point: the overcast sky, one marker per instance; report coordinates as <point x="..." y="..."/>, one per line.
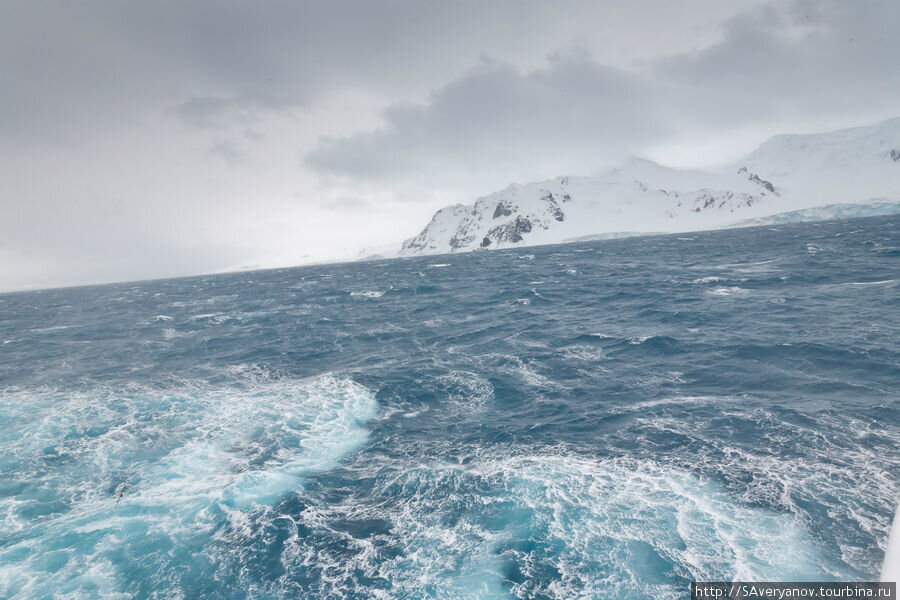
<point x="152" y="139"/>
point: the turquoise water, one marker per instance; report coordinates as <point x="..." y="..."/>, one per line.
<point x="600" y="420"/>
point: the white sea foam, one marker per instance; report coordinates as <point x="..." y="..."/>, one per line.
<point x="727" y="291"/>
<point x="170" y="333"/>
<point x="146" y="465"/>
<point x="49" y="329"/>
<point x="883" y="282"/>
<point x="527" y="370"/>
<point x="604" y="528"/>
<point x="466" y="389"/>
<point x="676" y="401"/>
<point x="583" y="352"/>
<point x="830" y="461"/>
<point x="368" y="293"/>
<point x="214" y="318"/>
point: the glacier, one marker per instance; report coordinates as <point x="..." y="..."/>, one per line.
<point x="875" y="208"/>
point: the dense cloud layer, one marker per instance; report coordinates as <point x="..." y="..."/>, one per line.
<point x="162" y="138"/>
<point x="804" y="60"/>
<point x="572" y="114"/>
<point x="804" y="63"/>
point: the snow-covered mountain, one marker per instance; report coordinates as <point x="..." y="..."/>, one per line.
<point x="787" y="174"/>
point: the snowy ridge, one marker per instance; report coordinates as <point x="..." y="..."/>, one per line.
<point x="788" y="175"/>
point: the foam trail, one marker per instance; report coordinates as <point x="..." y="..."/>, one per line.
<point x="165" y="482"/>
<point x="563" y="526"/>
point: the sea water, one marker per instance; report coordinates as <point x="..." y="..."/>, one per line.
<point x="599" y="420"/>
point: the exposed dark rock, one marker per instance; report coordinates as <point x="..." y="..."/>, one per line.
<point x="420" y="242"/>
<point x="554" y="209"/>
<point x="504" y="209"/>
<point x="466" y="233"/>
<point x="509" y="233"/>
<point x="894" y="155"/>
<point x="460" y="240"/>
<point x="766" y="184"/>
<point x="758" y="180"/>
<point x="720" y="200"/>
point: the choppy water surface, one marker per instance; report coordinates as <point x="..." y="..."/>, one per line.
<point x="599" y="420"/>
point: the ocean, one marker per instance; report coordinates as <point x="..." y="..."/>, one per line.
<point x="611" y="419"/>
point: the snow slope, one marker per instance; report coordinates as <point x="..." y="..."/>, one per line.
<point x="787" y="174"/>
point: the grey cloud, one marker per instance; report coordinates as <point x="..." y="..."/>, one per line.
<point x="804" y="59"/>
<point x="68" y="66"/>
<point x="203" y="111"/>
<point x="216" y="111"/>
<point x="230" y="152"/>
<point x="571" y="112"/>
<point x="254" y="135"/>
<point x="347" y="203"/>
<point x="71" y="68"/>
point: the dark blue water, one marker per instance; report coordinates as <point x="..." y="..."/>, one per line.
<point x="600" y="420"/>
